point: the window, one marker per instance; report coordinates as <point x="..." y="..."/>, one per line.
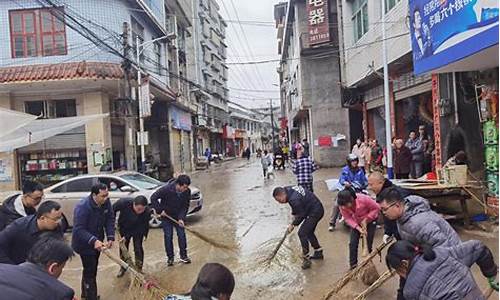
<point x="37" y="32"/>
<point x="51" y="109"/>
<point x="65" y="108"/>
<point x="78" y="185"/>
<point x="157" y="56"/>
<point x="360" y="18"/>
<point x="118" y="184"/>
<point x="389" y="4"/>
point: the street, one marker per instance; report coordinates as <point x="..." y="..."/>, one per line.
<point x="239" y="210"/>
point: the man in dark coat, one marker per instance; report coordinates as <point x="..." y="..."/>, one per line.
<point x="92" y="216"/>
<point x="173" y="200"/>
<point x="21" y="205"/>
<point x="37" y="277"/>
<point x="133" y="223"/>
<point x="18" y="238"/>
<point x="402" y="160"/>
<point x="308" y="210"/>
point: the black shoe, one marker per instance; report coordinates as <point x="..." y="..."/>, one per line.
<point x="121" y="273"/>
<point x="185" y="260"/>
<point x="318" y="254"/>
<point x="306" y="263"/>
<point x="170" y="262"/>
<point x="352" y="267"/>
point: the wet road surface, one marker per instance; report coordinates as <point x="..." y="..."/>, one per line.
<point x="239" y="211"/>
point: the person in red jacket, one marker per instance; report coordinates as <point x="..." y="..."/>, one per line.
<point x="360" y="212"/>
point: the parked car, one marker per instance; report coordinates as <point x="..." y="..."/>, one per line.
<point x="124" y="184"/>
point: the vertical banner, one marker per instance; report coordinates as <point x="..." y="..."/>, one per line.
<point x="437" y="120"/>
<point x="145" y="98"/>
<point x="318" y="24"/>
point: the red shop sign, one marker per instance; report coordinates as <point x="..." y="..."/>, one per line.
<point x="318" y="24"/>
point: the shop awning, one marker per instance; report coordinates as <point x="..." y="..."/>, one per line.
<point x="10" y="120"/>
<point x="38" y="130"/>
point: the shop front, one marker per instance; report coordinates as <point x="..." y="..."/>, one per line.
<point x="180" y="137"/>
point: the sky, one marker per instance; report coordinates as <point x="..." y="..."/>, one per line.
<point x="252" y="39"/>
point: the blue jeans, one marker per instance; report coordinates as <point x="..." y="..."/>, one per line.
<point x="168" y="233"/>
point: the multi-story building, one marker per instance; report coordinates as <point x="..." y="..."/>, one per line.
<point x="207" y="49"/>
<point x="310" y="78"/>
<point x="78" y="58"/>
<point x="251" y="129"/>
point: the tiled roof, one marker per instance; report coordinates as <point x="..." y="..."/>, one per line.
<point x="61" y="71"/>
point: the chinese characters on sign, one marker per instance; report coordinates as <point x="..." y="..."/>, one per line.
<point x="318" y="24"/>
<point x="145" y="107"/>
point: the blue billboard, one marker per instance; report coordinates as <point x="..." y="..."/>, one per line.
<point x="445" y="31"/>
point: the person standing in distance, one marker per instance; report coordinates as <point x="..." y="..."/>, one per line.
<point x="93" y="216"/>
<point x="172" y="200"/>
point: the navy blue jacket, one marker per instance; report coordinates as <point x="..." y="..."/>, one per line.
<point x="28" y="281"/>
<point x="168" y="200"/>
<point x="89" y="223"/>
<point x="304" y="204"/>
<point x="17" y="239"/>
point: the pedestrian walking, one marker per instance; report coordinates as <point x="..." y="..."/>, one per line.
<point x="402" y="160"/>
<point x="414" y="143"/>
<point x="308" y="211"/>
<point x="21" y="205"/>
<point x="441" y="272"/>
<point x="306" y="147"/>
<point x="360" y="212"/>
<point x="266" y="161"/>
<point x="247" y="153"/>
<point x="17" y="239"/>
<point x="37" y="278"/>
<point x="93" y="221"/>
<point x="133" y="224"/>
<point x="352" y="176"/>
<point x="376" y="156"/>
<point x="172" y="200"/>
<point x="215" y="282"/>
<point x="416" y="221"/>
<point x="303" y="169"/>
<point x="428" y="148"/>
<point x="208" y="155"/>
<point x="359" y="149"/>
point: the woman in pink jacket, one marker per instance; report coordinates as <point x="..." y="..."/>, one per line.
<point x="360" y="212"/>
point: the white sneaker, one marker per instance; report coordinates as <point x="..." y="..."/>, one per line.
<point x="331" y="228"/>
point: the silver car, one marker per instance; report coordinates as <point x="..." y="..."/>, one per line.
<point x="126" y="184"/>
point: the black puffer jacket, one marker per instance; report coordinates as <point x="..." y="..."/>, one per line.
<point x="304" y="204"/>
<point x="130" y="223"/>
<point x="9" y="214"/>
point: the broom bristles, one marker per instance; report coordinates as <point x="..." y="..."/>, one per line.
<point x="378" y="283"/>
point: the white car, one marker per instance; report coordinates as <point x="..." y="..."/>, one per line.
<point x="125" y="184"/>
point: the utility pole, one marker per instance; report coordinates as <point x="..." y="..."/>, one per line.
<point x="141" y="109"/>
<point x="387" y="103"/>
<point x="126" y="93"/>
<point x="272" y="123"/>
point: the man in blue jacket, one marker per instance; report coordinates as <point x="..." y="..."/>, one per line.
<point x="18" y="238"/>
<point x="93" y="215"/>
<point x="173" y="200"/>
<point x="306" y="210"/>
<point x="37" y="277"/>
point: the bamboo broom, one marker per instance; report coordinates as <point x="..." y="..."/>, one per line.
<point x="277" y="248"/>
<point x="378" y="283"/>
<point x="369" y="273"/>
<point x="339" y="284"/>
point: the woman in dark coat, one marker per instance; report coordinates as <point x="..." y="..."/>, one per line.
<point x="402" y="160"/>
<point x="442" y="273"/>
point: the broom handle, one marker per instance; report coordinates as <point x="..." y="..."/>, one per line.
<point x="278" y="246"/>
<point x="175" y="221"/>
<point x="123" y="264"/>
<point x="364" y="245"/>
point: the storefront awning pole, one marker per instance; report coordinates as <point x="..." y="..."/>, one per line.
<point x="388" y="142"/>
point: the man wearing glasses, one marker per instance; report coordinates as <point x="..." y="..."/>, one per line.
<point x="93" y="216"/>
<point x="21" y="205"/>
<point x="17" y="239"/>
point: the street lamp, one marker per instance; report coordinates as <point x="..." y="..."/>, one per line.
<point x="139" y="47"/>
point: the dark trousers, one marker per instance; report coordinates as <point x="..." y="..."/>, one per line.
<point x="307" y="235"/>
<point x="402" y="282"/>
<point x="308" y="186"/>
<point x="89" y="282"/>
<point x="335" y="214"/>
<point x="354" y="242"/>
<point x="168" y="233"/>
<point x="138" y="249"/>
<point x="402" y="175"/>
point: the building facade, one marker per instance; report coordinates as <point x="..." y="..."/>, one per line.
<point x="309" y="74"/>
<point x="251" y="129"/>
<point x="207" y="50"/>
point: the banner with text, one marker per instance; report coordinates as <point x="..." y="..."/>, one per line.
<point x="318" y="24"/>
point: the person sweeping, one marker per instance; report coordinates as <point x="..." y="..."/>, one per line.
<point x="308" y="211"/>
<point x="441" y="272"/>
<point x="360" y="212"/>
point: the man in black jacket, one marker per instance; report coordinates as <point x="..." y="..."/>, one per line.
<point x="133" y="223"/>
<point x="173" y="200"/>
<point x="37" y="277"/>
<point x="308" y="210"/>
<point x="21" y="205"/>
<point x="18" y="238"/>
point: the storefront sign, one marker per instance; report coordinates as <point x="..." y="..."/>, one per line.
<point x="444" y="31"/>
<point x="228" y="132"/>
<point x="239" y="134"/>
<point x="318" y="24"/>
<point x="5" y="170"/>
<point x="180" y="119"/>
<point x="145" y="107"/>
<point x="325" y="141"/>
<point x="437" y="120"/>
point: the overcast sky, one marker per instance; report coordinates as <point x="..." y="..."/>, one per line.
<point x="244" y="80"/>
